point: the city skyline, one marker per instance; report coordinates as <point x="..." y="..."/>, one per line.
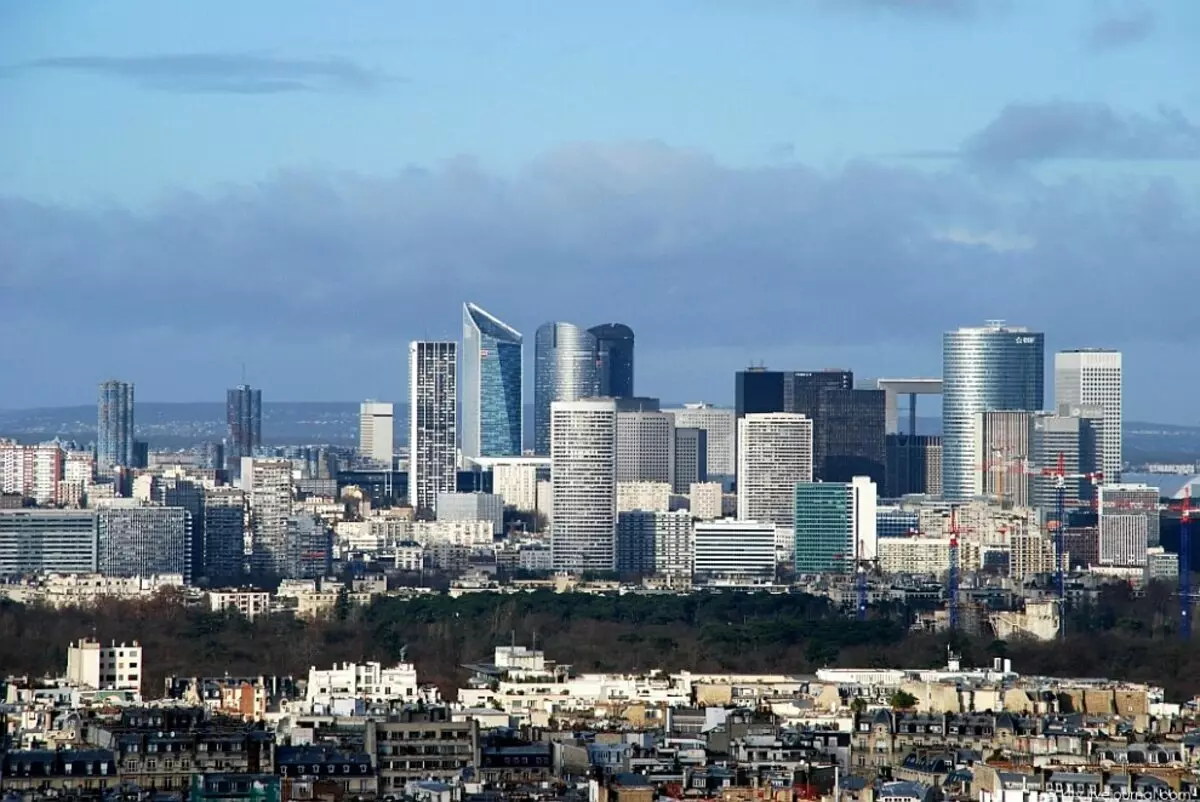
<point x="830" y="174"/>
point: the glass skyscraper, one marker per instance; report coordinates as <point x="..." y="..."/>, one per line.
<point x="491" y="386"/>
<point x="993" y="367"/>
<point x="564" y="369"/>
<point x="114" y="425"/>
<point x="243" y="424"/>
<point x="614" y="360"/>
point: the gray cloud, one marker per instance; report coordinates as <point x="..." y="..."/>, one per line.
<point x="1025" y="133"/>
<point x="222" y="73"/>
<point x="311" y="274"/>
<point x="1121" y="28"/>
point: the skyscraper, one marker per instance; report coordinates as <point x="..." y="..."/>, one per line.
<point x="376" y="432"/>
<point x="760" y="391"/>
<point x="564" y="369"/>
<point x="1093" y="376"/>
<point x="114" y="426"/>
<point x="1002" y="447"/>
<point x="583" y="472"/>
<point x="720" y="428"/>
<point x="835" y="525"/>
<point x="614" y="360"/>
<point x="991" y="367"/>
<point x="1071" y="435"/>
<point x="144" y="541"/>
<point x="432" y="430"/>
<point x="691" y="458"/>
<point x="243" y="416"/>
<point x="491" y="386"/>
<point x="645" y="446"/>
<point x="849" y="435"/>
<point x="268" y="484"/>
<point x="774" y="453"/>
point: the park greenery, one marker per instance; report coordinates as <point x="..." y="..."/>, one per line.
<point x="1122" y="635"/>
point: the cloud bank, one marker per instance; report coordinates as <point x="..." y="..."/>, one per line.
<point x="221" y="73"/>
<point x="1121" y="28"/>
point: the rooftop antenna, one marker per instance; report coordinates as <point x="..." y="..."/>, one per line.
<point x="243" y="373"/>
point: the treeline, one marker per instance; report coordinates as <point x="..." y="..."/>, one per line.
<point x="1122" y="636"/>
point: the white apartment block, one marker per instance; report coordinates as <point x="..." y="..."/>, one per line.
<point x="774" y="454"/>
<point x="646" y="496"/>
<point x="707" y="500"/>
<point x="105" y="668"/>
<point x="516" y="483"/>
<point x="720" y="427"/>
<point x="370" y="682"/>
<point x="432" y="428"/>
<point x="729" y="548"/>
<point x="1120" y="534"/>
<point x="1093" y="376"/>
<point x="32" y="471"/>
<point x="469" y="534"/>
<point x="268" y="487"/>
<point x="914" y="555"/>
<point x="583" y="473"/>
<point x="646" y="447"/>
<point x="250" y="603"/>
<point x="1123" y="539"/>
<point x="376" y="432"/>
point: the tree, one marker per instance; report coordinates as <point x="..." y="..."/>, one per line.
<point x="858" y="705"/>
<point x="902" y="700"/>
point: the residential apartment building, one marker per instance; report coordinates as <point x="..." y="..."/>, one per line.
<point x="774" y="454"/>
<point x="433" y="427"/>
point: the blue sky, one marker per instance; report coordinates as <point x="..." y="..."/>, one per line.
<point x="305" y="186"/>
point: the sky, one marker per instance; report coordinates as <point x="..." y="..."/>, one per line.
<point x="296" y="189"/>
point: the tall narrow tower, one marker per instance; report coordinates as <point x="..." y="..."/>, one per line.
<point x="432" y="427"/>
<point x="1093" y="376"/>
<point x="564" y="369"/>
<point x="583" y="470"/>
<point x="492" y="382"/>
<point x="114" y="425"/>
<point x="614" y="360"/>
<point x="243" y="417"/>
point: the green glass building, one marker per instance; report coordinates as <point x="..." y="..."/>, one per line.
<point x="824" y="528"/>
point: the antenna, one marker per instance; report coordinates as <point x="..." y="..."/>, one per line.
<point x="243" y="373"/>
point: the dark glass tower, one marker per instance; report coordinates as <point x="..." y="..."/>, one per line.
<point x="243" y="416"/>
<point x="759" y="390"/>
<point x="614" y="360"/>
<point x="850" y="435"/>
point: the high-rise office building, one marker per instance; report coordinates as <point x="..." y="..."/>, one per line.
<point x="224" y="535"/>
<point x="188" y="494"/>
<point x="1070" y="435"/>
<point x="720" y="434"/>
<point x="376" y="433"/>
<point x="614" y="360"/>
<point x="645" y="446"/>
<point x="806" y="386"/>
<point x="268" y="485"/>
<point x="564" y="369"/>
<point x="144" y="541"/>
<point x="492" y="371"/>
<point x="583" y="472"/>
<point x="774" y="454"/>
<point x="914" y="465"/>
<point x="1002" y="448"/>
<point x="1129" y="522"/>
<point x="114" y="426"/>
<point x="994" y="366"/>
<point x="650" y="542"/>
<point x="691" y="458"/>
<point x="34" y="541"/>
<point x="1093" y="377"/>
<point x="432" y="429"/>
<point x="849" y="435"/>
<point x="836" y="525"/>
<point x="759" y="391"/>
<point x="243" y="416"/>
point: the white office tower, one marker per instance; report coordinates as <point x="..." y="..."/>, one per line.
<point x="720" y="432"/>
<point x="516" y="483"/>
<point x="774" y="455"/>
<point x="865" y="495"/>
<point x="646" y="447"/>
<point x="1129" y="523"/>
<point x="432" y="427"/>
<point x="583" y="474"/>
<point x="1093" y="376"/>
<point x="268" y="487"/>
<point x="733" y="549"/>
<point x="376" y="432"/>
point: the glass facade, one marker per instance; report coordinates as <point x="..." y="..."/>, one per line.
<point x="114" y="426"/>
<point x="491" y="378"/>
<point x="987" y="368"/>
<point x="824" y="528"/>
<point x="849" y="435"/>
<point x="243" y="416"/>
<point x="564" y="369"/>
<point x="760" y="391"/>
<point x="614" y="360"/>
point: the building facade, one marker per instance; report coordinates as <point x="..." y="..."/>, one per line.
<point x="720" y="434"/>
<point x="1128" y="520"/>
<point x="835" y="526"/>
<point x="729" y="548"/>
<point x="36" y="541"/>
<point x="433" y="422"/>
<point x="268" y="486"/>
<point x="583" y="473"/>
<point x="614" y="360"/>
<point x="774" y="454"/>
<point x="991" y="367"/>
<point x="1002" y="447"/>
<point x="564" y="369"/>
<point x="1067" y="437"/>
<point x="144" y="541"/>
<point x="1093" y="377"/>
<point x="492" y="386"/>
<point x="758" y="391"/>
<point x="243" y="417"/>
<point x="645" y="446"/>
<point x="914" y="465"/>
<point x="376" y="433"/>
<point x="691" y="458"/>
<point x="114" y="426"/>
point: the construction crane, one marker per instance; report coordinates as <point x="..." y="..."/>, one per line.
<point x="861" y="610"/>
<point x="1060" y="476"/>
<point x="952" y="579"/>
<point x="1186" y="511"/>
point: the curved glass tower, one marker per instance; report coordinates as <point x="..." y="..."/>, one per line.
<point x="491" y="381"/>
<point x="614" y="360"/>
<point x="564" y="369"/>
<point x="993" y="367"/>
